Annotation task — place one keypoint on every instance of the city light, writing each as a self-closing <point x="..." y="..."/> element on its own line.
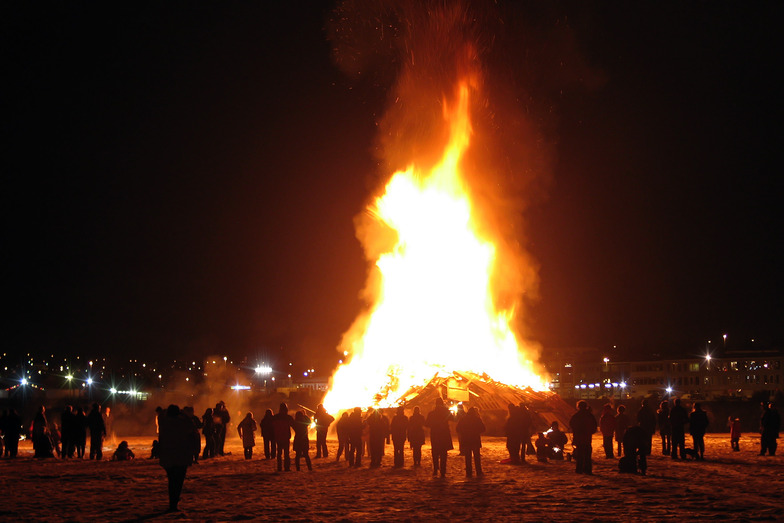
<point x="263" y="369"/>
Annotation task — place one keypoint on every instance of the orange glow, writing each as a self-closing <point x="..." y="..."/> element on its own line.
<point x="433" y="309"/>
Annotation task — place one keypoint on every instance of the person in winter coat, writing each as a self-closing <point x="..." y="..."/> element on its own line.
<point x="607" y="426"/>
<point x="634" y="441"/>
<point x="416" y="435"/>
<point x="770" y="425"/>
<point x="440" y="436"/>
<point x="665" y="430"/>
<point x="123" y="453"/>
<point x="268" y="434"/>
<point x="323" y="420"/>
<point x="80" y="432"/>
<point x="678" y="420"/>
<point x="66" y="429"/>
<point x="282" y="423"/>
<point x="97" y="432"/>
<point x="12" y="429"/>
<point x="378" y="435"/>
<point x="342" y="431"/>
<point x="583" y="426"/>
<point x="698" y="424"/>
<point x="356" y="426"/>
<point x="646" y="418"/>
<point x="301" y="441"/>
<point x="174" y="449"/>
<point x="39" y="431"/>
<point x="208" y="431"/>
<point x="222" y="417"/>
<point x="514" y="434"/>
<point x="470" y="429"/>
<point x="195" y="434"/>
<point x="556" y="442"/>
<point x="247" y="432"/>
<point x="621" y="424"/>
<point x="735" y="433"/>
<point x="398" y="429"/>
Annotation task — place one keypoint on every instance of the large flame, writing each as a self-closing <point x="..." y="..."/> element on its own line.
<point x="434" y="310"/>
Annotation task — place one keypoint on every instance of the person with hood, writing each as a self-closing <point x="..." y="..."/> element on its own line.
<point x="440" y="436"/>
<point x="355" y="428"/>
<point x="470" y="429"/>
<point x="607" y="426"/>
<point x="342" y="431"/>
<point x="398" y="429"/>
<point x="323" y="420"/>
<point x="678" y="420"/>
<point x="698" y="425"/>
<point x="378" y="435"/>
<point x="282" y="424"/>
<point x="621" y="424"/>
<point x="123" y="453"/>
<point x="301" y="441"/>
<point x="175" y="451"/>
<point x="583" y="426"/>
<point x="416" y="435"/>
<point x="247" y="432"/>
<point x="268" y="434"/>
<point x="665" y="430"/>
<point x="97" y="432"/>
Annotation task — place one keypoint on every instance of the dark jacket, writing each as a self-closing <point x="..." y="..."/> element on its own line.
<point x="399" y="429"/>
<point x="440" y="436"/>
<point x="470" y="428"/>
<point x="583" y="426"/>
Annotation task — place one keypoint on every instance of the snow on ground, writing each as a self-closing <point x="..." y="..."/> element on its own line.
<point x="728" y="485"/>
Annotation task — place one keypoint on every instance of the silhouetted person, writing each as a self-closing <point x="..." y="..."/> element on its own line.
<point x="416" y="435"/>
<point x="634" y="447"/>
<point x="222" y="413"/>
<point x="398" y="429"/>
<point x="12" y="429"/>
<point x="208" y="430"/>
<point x="247" y="432"/>
<point x="378" y="434"/>
<point x="460" y="412"/>
<point x="282" y="424"/>
<point x="108" y="423"/>
<point x="176" y="454"/>
<point x="665" y="428"/>
<point x="80" y="432"/>
<point x="678" y="420"/>
<point x="542" y="448"/>
<point x="342" y="431"/>
<point x="323" y="420"/>
<point x="770" y="425"/>
<point x="268" y="434"/>
<point x="155" y="450"/>
<point x="301" y="441"/>
<point x="440" y="436"/>
<point x="66" y="431"/>
<point x="621" y="424"/>
<point x="514" y="434"/>
<point x="735" y="433"/>
<point x="470" y="428"/>
<point x="646" y="418"/>
<point x="583" y="426"/>
<point x="698" y="424"/>
<point x="39" y="432"/>
<point x="195" y="434"/>
<point x="527" y="431"/>
<point x="3" y="415"/>
<point x="97" y="432"/>
<point x="355" y="428"/>
<point x="123" y="453"/>
<point x="556" y="440"/>
<point x="607" y="426"/>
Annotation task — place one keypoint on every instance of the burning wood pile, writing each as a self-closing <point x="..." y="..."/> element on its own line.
<point x="491" y="397"/>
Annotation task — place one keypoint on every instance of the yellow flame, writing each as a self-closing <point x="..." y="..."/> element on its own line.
<point x="435" y="311"/>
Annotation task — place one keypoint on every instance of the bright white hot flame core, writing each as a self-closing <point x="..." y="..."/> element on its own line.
<point x="434" y="311"/>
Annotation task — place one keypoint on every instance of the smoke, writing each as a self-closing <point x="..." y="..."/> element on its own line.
<point x="518" y="59"/>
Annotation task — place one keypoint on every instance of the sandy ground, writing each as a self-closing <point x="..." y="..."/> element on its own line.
<point x="734" y="486"/>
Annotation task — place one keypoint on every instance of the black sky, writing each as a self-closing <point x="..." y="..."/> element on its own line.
<point x="181" y="181"/>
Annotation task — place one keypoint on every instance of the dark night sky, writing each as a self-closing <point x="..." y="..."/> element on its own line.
<point x="184" y="181"/>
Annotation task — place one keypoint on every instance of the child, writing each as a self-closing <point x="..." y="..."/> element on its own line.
<point x="542" y="448"/>
<point x="154" y="450"/>
<point x="123" y="453"/>
<point x="734" y="424"/>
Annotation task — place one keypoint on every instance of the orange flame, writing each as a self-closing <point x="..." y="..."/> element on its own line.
<point x="435" y="311"/>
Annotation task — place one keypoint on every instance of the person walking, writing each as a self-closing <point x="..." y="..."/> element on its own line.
<point x="470" y="429"/>
<point x="583" y="426"/>
<point x="175" y="451"/>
